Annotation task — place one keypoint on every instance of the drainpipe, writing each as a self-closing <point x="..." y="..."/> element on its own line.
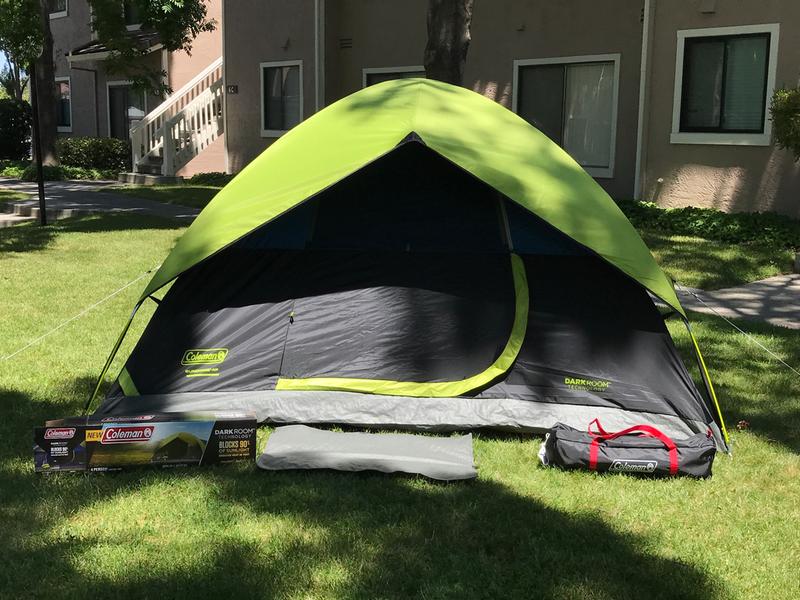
<point x="319" y="54"/>
<point x="224" y="89"/>
<point x="648" y="21"/>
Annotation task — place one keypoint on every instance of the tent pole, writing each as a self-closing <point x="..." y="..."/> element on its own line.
<point x="111" y="356"/>
<point x="707" y="381"/>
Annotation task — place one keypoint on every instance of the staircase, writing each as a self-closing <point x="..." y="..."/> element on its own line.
<point x="179" y="128"/>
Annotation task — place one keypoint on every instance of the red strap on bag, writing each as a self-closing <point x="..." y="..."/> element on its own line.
<point x="646" y="430"/>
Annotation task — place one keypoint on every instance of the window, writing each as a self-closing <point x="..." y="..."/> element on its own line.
<point x="380" y="74"/>
<point x="281" y="97"/>
<point x="63" y="105"/>
<point x="723" y="79"/>
<point x="126" y="107"/>
<point x="57" y="8"/>
<point x="132" y="14"/>
<point x="574" y="102"/>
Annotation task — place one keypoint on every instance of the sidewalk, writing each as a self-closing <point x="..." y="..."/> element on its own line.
<point x="775" y="300"/>
<point x="74" y="198"/>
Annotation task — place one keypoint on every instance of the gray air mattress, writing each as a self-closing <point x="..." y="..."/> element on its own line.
<point x="301" y="447"/>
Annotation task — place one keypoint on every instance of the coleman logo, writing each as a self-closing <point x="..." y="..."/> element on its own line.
<point x="124" y="435"/>
<point x="591" y="385"/>
<point x="59" y="433"/>
<point x="633" y="466"/>
<point x="204" y="356"/>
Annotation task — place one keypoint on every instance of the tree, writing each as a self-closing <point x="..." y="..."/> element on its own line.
<point x="785" y="113"/>
<point x="26" y="39"/>
<point x="13" y="80"/>
<point x="177" y="23"/>
<point x="448" y="39"/>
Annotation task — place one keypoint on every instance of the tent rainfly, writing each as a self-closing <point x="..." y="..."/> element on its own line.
<point x="415" y="255"/>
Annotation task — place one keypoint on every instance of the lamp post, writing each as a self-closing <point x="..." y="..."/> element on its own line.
<point x="37" y="144"/>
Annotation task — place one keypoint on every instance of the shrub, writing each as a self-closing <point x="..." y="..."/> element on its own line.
<point x="213" y="178"/>
<point x="59" y="173"/>
<point x="785" y="113"/>
<point x="13" y="168"/>
<point x="107" y="154"/>
<point x="767" y="227"/>
<point x="50" y="173"/>
<point x="15" y="129"/>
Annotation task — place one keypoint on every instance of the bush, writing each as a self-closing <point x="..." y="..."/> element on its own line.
<point x="15" y="129"/>
<point x="50" y="173"/>
<point x="13" y="168"/>
<point x="105" y="154"/>
<point x="59" y="173"/>
<point x="767" y="227"/>
<point x="785" y="113"/>
<point x="214" y="178"/>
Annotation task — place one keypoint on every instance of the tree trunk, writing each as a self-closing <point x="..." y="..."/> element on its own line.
<point x="46" y="88"/>
<point x="18" y="81"/>
<point x="448" y="39"/>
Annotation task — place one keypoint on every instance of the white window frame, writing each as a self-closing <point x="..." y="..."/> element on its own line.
<point x="62" y="13"/>
<point x="62" y="128"/>
<point x="741" y="139"/>
<point x="371" y="70"/>
<point x="275" y="133"/>
<point x="598" y="172"/>
<point x="117" y="83"/>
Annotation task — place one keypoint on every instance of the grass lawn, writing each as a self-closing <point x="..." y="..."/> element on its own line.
<point x="517" y="531"/>
<point x="12" y="196"/>
<point x="711" y="265"/>
<point x="195" y="196"/>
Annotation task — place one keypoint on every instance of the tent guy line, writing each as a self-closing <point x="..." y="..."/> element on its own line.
<point x="737" y="328"/>
<point x="80" y="314"/>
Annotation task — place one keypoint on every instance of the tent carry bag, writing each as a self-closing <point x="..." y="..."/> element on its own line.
<point x="640" y="449"/>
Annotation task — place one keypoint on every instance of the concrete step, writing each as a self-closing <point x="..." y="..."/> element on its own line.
<point x="148" y="169"/>
<point x="148" y="178"/>
<point x="30" y="210"/>
<point x="7" y="220"/>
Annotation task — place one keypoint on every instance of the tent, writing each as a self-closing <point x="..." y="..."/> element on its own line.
<point x="415" y="255"/>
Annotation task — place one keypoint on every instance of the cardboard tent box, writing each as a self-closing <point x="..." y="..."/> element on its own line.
<point x="164" y="440"/>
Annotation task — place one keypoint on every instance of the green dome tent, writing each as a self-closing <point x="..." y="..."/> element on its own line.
<point x="414" y="255"/>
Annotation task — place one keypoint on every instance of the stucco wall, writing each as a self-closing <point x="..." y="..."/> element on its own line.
<point x="506" y="30"/>
<point x="731" y="178"/>
<point x="385" y="33"/>
<point x="206" y="48"/>
<point x="69" y="32"/>
<point x="256" y="32"/>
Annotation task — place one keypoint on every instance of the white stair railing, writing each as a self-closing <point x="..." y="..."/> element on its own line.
<point x="183" y="125"/>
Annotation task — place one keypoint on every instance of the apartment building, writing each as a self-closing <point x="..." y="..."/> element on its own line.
<point x="665" y="100"/>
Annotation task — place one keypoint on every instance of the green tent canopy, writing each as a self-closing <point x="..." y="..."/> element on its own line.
<point x="475" y="133"/>
<point x="398" y="203"/>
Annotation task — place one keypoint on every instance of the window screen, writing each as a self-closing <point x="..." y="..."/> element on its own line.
<point x="573" y="104"/>
<point x="724" y="84"/>
<point x="56" y="6"/>
<point x="63" y="101"/>
<point x="281" y="97"/>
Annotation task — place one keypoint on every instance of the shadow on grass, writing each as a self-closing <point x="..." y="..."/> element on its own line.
<point x="751" y="385"/>
<point x="30" y="237"/>
<point x="306" y="533"/>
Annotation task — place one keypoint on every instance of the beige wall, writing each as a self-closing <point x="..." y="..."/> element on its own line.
<point x="256" y="32"/>
<point x="731" y="178"/>
<point x="69" y="32"/>
<point x="206" y="48"/>
<point x="507" y="30"/>
<point x="386" y="33"/>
